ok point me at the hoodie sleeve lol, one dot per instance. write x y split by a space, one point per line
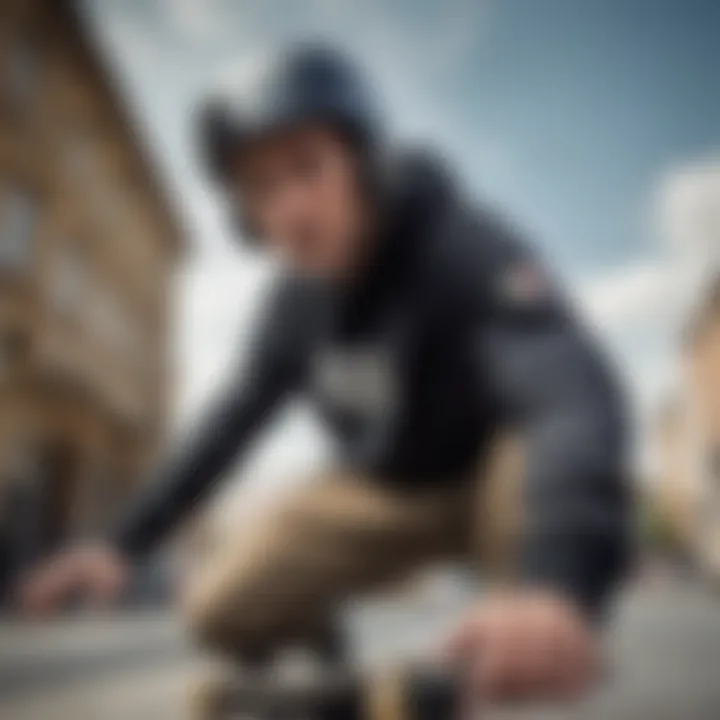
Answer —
230 423
547 375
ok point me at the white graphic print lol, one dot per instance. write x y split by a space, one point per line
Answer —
359 380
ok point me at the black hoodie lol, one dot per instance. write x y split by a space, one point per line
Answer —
452 330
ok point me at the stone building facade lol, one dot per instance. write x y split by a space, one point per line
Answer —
688 431
688 437
88 245
702 432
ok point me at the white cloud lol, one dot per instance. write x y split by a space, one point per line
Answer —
200 21
129 40
688 207
637 307
407 51
220 295
453 34
630 296
640 308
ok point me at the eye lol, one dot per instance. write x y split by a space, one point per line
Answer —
258 185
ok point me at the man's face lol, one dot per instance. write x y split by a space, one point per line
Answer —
301 191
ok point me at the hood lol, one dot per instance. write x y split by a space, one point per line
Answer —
417 182
415 188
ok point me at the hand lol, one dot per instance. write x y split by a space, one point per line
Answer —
526 646
95 573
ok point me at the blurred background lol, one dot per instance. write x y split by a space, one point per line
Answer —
124 298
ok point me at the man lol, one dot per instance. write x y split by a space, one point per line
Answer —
420 327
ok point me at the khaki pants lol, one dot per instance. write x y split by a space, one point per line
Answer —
340 536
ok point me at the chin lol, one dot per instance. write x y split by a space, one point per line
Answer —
318 270
322 267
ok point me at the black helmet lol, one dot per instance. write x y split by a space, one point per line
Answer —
303 83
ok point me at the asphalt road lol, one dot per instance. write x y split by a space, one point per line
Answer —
664 660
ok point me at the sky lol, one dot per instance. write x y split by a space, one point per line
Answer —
587 120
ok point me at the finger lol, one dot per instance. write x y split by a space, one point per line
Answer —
23 595
33 600
492 674
465 640
465 636
533 661
564 661
581 662
50 588
535 664
524 662
105 590
572 648
31 591
47 593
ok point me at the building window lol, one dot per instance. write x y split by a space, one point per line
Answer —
713 465
20 74
18 223
77 158
68 286
75 294
12 349
110 322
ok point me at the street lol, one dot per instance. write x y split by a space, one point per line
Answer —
664 653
